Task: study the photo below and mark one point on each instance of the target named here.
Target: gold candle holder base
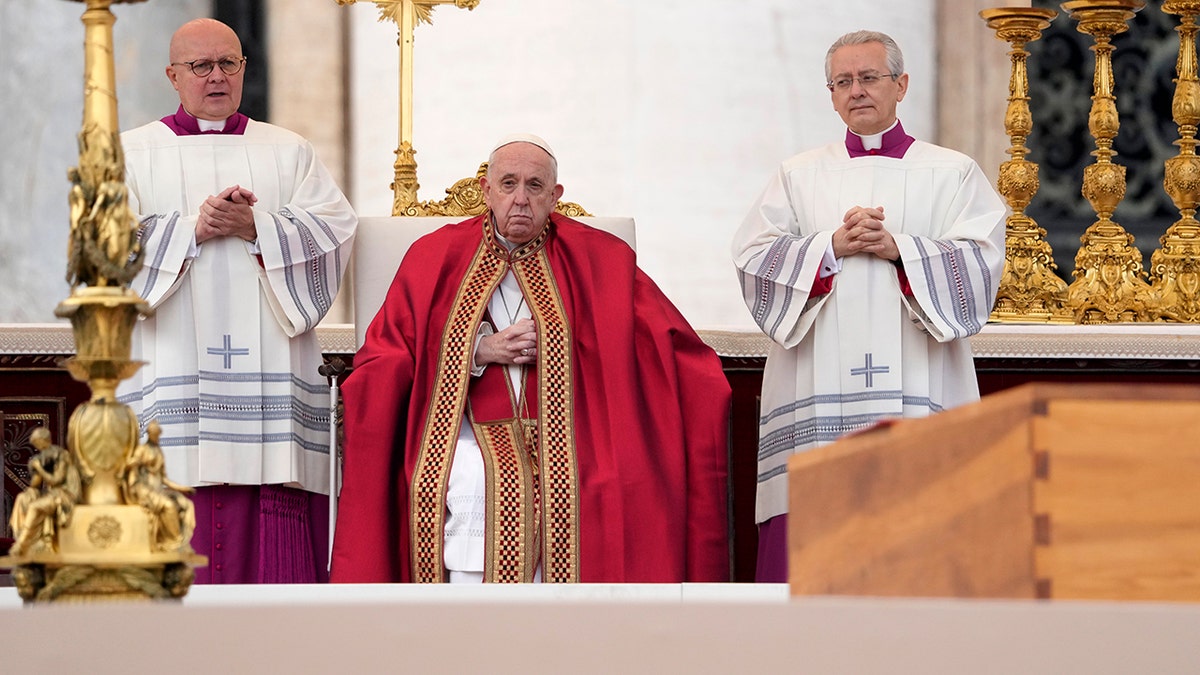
(1109, 284)
(1175, 267)
(1030, 291)
(100, 521)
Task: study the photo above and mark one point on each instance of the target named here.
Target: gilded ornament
(1182, 180)
(407, 14)
(102, 246)
(49, 502)
(1103, 122)
(1018, 182)
(104, 532)
(1175, 266)
(404, 186)
(171, 514)
(1018, 120)
(1109, 283)
(1185, 106)
(83, 533)
(393, 10)
(1104, 187)
(1029, 289)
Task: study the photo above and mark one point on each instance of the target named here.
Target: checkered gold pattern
(428, 505)
(533, 500)
(513, 517)
(556, 420)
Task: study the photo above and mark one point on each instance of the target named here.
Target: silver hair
(895, 58)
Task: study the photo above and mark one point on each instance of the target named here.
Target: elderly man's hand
(516, 344)
(862, 231)
(228, 214)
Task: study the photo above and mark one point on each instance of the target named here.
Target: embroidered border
(558, 505)
(513, 511)
(428, 506)
(556, 408)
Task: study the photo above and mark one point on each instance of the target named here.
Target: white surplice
(232, 360)
(864, 352)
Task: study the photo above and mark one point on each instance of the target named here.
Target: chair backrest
(380, 245)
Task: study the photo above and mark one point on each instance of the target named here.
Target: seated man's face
(520, 190)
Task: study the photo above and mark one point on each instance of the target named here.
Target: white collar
(211, 125)
(875, 141)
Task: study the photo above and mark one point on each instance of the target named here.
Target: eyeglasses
(203, 67)
(867, 81)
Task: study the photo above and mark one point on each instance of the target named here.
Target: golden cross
(406, 14)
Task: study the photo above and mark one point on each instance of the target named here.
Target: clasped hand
(516, 345)
(862, 231)
(228, 214)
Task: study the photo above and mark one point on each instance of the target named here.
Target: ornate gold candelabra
(406, 14)
(1109, 281)
(1029, 290)
(1175, 268)
(100, 520)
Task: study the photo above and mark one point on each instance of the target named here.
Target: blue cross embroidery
(869, 370)
(229, 352)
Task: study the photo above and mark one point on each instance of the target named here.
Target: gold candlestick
(1175, 268)
(100, 520)
(1109, 281)
(1029, 290)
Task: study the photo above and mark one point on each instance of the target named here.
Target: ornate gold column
(100, 520)
(1029, 290)
(1175, 268)
(406, 14)
(1109, 281)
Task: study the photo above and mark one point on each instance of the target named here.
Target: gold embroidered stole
(533, 494)
(513, 534)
